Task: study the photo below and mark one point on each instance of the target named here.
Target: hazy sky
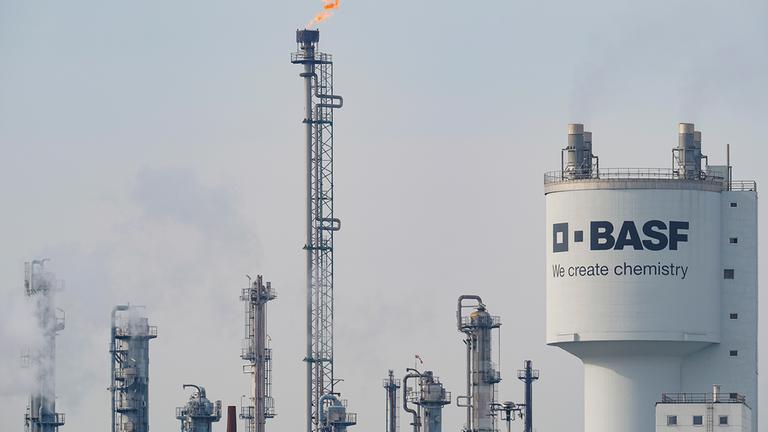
(153, 150)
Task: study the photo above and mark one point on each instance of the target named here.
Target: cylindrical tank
(633, 264)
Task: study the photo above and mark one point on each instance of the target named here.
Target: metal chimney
(575, 152)
(231, 419)
(687, 161)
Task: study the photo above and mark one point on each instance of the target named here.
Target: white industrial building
(698, 412)
(652, 280)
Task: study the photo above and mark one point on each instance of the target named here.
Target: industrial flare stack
(651, 279)
(321, 224)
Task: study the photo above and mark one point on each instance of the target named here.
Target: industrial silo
(651, 279)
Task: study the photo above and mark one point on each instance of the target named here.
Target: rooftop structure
(703, 412)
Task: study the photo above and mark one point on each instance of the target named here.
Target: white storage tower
(651, 279)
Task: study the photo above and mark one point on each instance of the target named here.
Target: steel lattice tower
(321, 222)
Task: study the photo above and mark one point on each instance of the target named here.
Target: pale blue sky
(153, 150)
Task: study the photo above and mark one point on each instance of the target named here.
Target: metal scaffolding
(40, 286)
(129, 348)
(258, 354)
(321, 223)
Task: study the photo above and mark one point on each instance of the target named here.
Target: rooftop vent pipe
(687, 157)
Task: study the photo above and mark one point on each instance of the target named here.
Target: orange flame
(328, 8)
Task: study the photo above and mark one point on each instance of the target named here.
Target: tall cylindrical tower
(129, 349)
(636, 281)
(40, 287)
(482, 374)
(258, 354)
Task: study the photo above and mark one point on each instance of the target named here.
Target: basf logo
(653, 235)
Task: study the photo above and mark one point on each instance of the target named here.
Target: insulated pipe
(321, 401)
(231, 419)
(460, 305)
(415, 413)
(200, 390)
(309, 70)
(468, 343)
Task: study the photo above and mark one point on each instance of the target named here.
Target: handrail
(626, 174)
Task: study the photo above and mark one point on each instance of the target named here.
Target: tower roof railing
(625, 174)
(567, 176)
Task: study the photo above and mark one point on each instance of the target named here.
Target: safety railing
(702, 398)
(743, 186)
(626, 174)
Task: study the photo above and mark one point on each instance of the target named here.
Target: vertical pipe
(468, 342)
(231, 419)
(728, 164)
(308, 71)
(259, 348)
(528, 396)
(416, 418)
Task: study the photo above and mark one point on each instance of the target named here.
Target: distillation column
(321, 223)
(482, 375)
(199, 414)
(129, 348)
(258, 355)
(429, 397)
(391, 386)
(40, 287)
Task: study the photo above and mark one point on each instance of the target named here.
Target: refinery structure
(651, 280)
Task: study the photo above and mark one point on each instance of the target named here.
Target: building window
(672, 421)
(733, 353)
(728, 274)
(733, 204)
(698, 420)
(734, 316)
(733, 240)
(723, 420)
